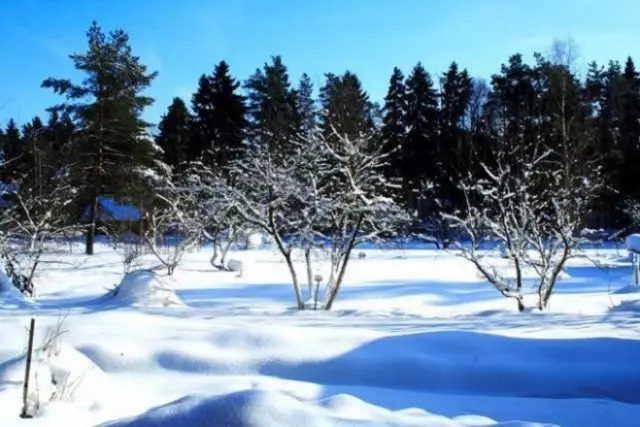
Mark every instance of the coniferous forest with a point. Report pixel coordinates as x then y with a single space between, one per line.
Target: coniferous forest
434 132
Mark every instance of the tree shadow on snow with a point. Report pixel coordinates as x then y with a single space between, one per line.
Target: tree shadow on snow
456 362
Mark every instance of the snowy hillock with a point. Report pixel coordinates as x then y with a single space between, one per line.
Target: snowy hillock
59 373
261 408
633 242
10 296
146 288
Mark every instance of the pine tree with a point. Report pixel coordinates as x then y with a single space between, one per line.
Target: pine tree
305 106
114 149
175 134
12 149
456 155
203 133
393 124
346 107
630 131
271 106
421 149
229 121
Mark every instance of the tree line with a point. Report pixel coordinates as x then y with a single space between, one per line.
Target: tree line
529 157
437 130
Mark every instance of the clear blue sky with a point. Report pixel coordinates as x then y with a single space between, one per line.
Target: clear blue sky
185 38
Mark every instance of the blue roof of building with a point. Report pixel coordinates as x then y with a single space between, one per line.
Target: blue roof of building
109 209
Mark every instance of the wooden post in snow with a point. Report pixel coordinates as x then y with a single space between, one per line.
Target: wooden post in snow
25 389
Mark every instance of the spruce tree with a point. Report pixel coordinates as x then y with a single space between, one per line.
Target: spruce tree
305 106
346 107
421 151
393 124
175 134
229 121
114 150
12 149
456 156
271 106
630 131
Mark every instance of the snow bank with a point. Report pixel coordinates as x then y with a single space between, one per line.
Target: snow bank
11 297
633 242
261 408
629 306
59 373
630 289
146 288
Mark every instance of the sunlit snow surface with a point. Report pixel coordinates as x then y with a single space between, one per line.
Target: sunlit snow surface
416 338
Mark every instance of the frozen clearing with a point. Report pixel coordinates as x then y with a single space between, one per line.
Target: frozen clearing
416 339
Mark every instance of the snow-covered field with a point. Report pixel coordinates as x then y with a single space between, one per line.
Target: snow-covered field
416 339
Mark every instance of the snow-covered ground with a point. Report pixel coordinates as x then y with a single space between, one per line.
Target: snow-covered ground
416 339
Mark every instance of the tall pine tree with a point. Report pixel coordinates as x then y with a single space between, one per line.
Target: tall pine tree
306 107
113 144
175 134
346 107
271 106
421 151
393 124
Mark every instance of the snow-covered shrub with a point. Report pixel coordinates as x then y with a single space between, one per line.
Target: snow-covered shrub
334 192
146 288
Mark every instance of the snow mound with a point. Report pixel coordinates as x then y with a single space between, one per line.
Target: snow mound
629 306
11 297
630 289
59 373
261 408
146 288
633 242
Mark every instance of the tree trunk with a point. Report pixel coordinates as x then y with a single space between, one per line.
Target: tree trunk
343 267
307 259
296 285
214 256
91 229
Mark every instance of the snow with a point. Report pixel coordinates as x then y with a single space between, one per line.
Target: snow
146 288
10 296
416 339
633 242
257 408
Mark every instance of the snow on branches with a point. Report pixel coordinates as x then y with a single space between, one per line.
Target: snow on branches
324 191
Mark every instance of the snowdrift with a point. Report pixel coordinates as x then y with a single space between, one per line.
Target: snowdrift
59 373
633 242
146 288
11 297
261 408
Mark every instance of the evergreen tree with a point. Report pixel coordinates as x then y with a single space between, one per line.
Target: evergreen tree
456 152
421 150
114 150
229 121
305 106
393 124
271 106
12 149
346 107
203 133
630 131
175 134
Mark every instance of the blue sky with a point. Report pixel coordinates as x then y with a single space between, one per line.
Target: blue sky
185 38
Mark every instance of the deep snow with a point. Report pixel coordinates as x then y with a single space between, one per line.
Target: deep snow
416 339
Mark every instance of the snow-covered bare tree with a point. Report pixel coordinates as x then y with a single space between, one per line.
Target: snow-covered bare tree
221 224
358 209
534 198
265 195
37 211
329 190
173 223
